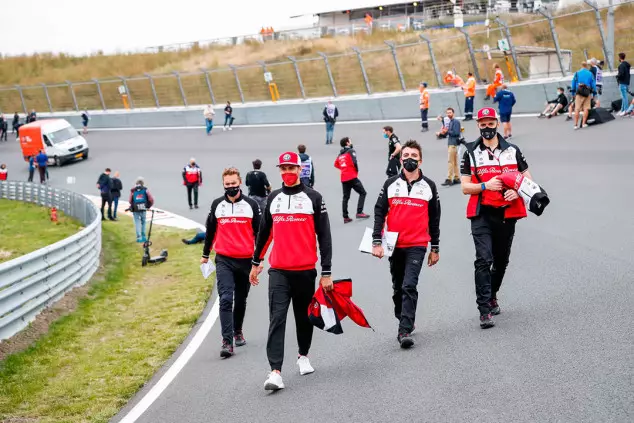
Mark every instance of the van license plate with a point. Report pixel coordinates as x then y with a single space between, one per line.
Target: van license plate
79 155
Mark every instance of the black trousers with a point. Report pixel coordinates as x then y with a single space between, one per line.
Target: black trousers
194 188
468 107
42 172
356 185
31 172
286 286
423 118
106 199
233 285
493 237
393 167
3 134
405 267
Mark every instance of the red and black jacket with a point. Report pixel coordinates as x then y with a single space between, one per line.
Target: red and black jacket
482 164
295 219
232 227
192 175
412 210
346 162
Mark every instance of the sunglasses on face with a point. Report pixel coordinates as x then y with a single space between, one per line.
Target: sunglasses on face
483 125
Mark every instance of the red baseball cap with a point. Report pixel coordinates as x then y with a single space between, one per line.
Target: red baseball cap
289 158
487 113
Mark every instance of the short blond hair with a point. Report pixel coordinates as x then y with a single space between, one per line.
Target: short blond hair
231 171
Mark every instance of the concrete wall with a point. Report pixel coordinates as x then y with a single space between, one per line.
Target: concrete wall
531 97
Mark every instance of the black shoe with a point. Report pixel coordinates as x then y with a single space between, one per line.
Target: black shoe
185 241
494 307
405 340
549 116
456 181
568 118
486 321
541 116
424 129
112 218
227 350
239 339
190 207
447 183
196 206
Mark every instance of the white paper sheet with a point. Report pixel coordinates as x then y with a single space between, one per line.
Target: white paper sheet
207 268
388 241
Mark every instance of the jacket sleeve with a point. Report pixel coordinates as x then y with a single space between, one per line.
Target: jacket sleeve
380 213
337 163
150 198
257 216
497 97
573 84
210 233
454 129
336 112
434 217
324 237
130 199
514 99
354 160
264 234
312 175
200 176
184 173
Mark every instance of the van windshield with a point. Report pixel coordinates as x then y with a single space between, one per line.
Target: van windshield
62 135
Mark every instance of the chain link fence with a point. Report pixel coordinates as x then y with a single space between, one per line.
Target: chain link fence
542 47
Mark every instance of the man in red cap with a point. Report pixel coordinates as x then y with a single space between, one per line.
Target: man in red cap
295 215
493 210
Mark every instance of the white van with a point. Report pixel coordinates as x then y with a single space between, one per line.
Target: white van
61 142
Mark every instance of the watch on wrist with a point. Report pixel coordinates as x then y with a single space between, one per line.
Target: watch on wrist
483 186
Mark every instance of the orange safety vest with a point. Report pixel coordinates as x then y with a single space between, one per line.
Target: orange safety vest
499 77
424 99
470 86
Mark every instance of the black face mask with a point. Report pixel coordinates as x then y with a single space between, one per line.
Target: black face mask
488 133
410 164
232 191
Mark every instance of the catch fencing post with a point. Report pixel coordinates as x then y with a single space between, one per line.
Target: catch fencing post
151 80
398 68
474 63
365 75
180 87
72 94
235 74
103 103
597 14
299 76
332 80
546 13
48 98
208 81
433 58
127 91
511 46
19 88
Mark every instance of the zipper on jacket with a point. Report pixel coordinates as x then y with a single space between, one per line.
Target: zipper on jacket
289 203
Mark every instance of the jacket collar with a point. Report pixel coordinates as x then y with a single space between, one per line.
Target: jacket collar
502 143
293 190
403 177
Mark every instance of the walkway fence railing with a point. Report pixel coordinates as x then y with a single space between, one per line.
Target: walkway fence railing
547 46
30 283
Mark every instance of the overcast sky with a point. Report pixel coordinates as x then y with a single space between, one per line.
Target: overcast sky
83 26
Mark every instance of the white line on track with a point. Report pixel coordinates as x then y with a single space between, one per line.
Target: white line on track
282 125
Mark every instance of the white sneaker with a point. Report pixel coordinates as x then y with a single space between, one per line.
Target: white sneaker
585 125
575 127
304 365
274 382
224 128
230 128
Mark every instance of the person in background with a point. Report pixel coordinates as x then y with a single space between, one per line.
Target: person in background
197 239
117 187
16 121
32 164
228 117
454 134
209 113
307 176
3 127
596 68
506 101
32 116
393 152
453 80
583 88
623 79
140 201
330 114
444 129
469 97
424 106
4 173
42 164
556 106
192 179
347 164
104 184
630 109
258 184
498 80
84 120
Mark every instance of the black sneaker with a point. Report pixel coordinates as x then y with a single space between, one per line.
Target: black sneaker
239 339
227 350
447 183
185 241
494 307
456 181
405 339
486 321
190 207
196 206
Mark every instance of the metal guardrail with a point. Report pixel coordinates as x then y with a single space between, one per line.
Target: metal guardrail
30 283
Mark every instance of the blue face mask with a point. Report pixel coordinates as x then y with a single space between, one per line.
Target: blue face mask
385 136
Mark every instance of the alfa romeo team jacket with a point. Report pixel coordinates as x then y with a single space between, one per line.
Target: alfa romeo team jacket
232 227
295 218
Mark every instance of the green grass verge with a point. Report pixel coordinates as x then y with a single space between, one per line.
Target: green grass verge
92 361
26 227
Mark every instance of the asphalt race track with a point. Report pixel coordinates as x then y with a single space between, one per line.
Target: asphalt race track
563 347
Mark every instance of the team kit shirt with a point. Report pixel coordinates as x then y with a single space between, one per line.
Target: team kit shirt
482 164
232 227
412 210
294 220
346 162
193 174
393 140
